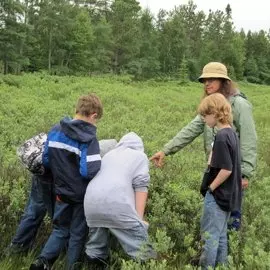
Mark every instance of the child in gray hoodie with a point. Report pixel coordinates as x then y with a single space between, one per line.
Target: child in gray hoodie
115 202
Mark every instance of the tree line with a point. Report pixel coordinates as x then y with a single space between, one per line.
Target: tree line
105 36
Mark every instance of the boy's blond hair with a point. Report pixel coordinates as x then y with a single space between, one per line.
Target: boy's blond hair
218 105
89 104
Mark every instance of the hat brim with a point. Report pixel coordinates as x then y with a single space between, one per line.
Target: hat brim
212 75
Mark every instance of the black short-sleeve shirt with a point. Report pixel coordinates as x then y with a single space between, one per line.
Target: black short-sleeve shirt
226 155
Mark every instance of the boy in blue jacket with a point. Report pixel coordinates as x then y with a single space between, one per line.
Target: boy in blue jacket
73 155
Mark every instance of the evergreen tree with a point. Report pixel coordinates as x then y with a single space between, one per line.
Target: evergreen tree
79 42
146 64
102 47
222 43
257 67
172 43
193 22
125 28
184 77
12 36
88 36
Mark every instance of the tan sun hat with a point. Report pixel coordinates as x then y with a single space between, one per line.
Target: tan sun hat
214 70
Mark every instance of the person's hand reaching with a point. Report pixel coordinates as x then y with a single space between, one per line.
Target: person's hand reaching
158 159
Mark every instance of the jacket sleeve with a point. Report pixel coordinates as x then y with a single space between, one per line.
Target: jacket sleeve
45 155
185 136
245 127
141 179
90 160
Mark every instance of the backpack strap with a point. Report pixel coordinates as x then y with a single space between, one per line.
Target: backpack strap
241 94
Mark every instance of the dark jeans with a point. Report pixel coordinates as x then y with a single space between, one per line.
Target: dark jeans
41 200
69 230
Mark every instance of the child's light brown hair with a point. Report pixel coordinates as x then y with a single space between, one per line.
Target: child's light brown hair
89 104
218 105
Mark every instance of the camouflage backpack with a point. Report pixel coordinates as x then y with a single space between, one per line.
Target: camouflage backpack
30 153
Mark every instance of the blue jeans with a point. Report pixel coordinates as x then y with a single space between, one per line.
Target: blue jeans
134 241
213 233
69 231
40 201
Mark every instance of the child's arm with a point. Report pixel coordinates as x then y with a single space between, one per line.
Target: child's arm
209 158
45 155
140 202
140 185
220 178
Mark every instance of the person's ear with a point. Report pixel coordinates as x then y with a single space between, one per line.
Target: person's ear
95 116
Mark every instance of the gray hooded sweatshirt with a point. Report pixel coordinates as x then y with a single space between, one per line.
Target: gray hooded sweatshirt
110 197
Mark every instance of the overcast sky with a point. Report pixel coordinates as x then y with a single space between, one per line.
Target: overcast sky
250 15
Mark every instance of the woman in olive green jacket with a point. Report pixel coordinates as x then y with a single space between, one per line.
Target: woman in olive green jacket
215 79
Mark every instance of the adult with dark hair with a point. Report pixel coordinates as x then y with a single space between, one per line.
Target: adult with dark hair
215 79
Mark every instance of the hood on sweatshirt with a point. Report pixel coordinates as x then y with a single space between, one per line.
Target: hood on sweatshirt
131 140
106 146
78 130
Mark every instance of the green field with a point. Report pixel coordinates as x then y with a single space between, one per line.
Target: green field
156 111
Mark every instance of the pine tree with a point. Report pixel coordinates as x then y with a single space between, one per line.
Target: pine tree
12 36
125 28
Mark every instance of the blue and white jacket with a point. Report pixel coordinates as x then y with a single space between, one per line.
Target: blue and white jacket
72 153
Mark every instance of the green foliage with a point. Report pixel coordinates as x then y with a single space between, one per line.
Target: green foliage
146 64
124 20
86 37
130 265
12 36
102 47
156 111
184 78
11 81
251 68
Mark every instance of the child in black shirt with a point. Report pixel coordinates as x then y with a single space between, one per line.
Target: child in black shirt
221 186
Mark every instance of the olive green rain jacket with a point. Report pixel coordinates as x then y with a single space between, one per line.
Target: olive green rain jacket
243 124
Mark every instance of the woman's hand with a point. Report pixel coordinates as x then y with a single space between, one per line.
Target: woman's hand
244 183
158 159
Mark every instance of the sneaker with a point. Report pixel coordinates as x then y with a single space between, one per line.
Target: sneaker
97 263
40 264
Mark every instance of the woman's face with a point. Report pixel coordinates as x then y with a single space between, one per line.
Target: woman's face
211 85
